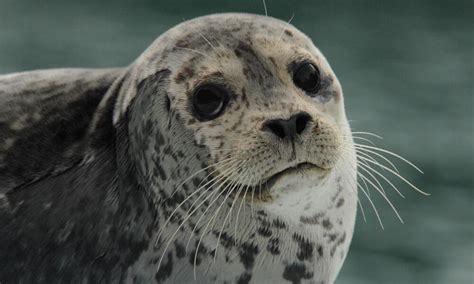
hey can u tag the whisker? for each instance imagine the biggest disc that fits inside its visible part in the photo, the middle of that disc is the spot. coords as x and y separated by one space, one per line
360 165
212 219
365 154
228 214
283 30
213 180
213 47
400 177
364 139
211 203
373 206
367 133
384 196
198 52
344 173
359 186
174 234
390 153
225 161
382 176
240 207
195 192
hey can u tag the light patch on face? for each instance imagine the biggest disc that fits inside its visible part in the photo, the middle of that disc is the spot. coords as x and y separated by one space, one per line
291 193
256 70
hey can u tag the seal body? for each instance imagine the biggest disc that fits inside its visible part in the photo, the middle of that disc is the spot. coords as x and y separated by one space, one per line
208 159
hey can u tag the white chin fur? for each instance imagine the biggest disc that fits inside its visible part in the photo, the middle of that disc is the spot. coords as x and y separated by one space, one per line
291 194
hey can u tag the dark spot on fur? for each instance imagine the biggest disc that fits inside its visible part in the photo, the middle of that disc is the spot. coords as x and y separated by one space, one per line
288 33
327 224
273 246
237 53
338 243
202 251
340 202
313 220
247 253
320 251
165 269
196 181
305 247
296 272
226 240
332 237
264 231
244 278
254 66
279 224
180 250
185 74
174 200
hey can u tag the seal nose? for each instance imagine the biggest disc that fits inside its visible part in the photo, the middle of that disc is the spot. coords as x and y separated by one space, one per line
290 128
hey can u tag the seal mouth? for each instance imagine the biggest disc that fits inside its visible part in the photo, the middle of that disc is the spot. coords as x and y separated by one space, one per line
298 168
264 186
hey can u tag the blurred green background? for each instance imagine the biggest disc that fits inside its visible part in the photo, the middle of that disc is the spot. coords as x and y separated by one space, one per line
406 68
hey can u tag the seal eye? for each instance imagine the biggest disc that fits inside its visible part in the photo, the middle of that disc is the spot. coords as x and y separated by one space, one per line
209 101
307 78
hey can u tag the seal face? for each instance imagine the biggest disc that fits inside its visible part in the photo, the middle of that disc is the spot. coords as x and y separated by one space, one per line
229 156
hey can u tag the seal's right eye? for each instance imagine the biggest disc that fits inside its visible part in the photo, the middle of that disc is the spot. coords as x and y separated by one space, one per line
209 101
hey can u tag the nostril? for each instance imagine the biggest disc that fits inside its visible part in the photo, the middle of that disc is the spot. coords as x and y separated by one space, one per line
301 122
276 128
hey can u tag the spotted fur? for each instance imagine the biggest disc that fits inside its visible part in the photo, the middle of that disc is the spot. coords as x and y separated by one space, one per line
101 169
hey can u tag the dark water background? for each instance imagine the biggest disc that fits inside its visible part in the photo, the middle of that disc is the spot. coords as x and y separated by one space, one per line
406 68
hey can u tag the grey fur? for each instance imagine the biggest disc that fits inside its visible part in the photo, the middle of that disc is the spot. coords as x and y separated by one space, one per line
92 164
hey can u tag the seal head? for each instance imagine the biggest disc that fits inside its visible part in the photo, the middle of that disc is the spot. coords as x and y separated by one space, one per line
254 117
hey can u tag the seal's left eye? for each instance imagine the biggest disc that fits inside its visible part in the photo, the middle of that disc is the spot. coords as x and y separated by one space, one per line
209 101
307 78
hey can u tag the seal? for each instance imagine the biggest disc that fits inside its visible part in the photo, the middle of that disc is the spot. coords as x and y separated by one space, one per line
221 155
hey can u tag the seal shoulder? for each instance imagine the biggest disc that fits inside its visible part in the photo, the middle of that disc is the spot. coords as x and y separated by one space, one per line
44 118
